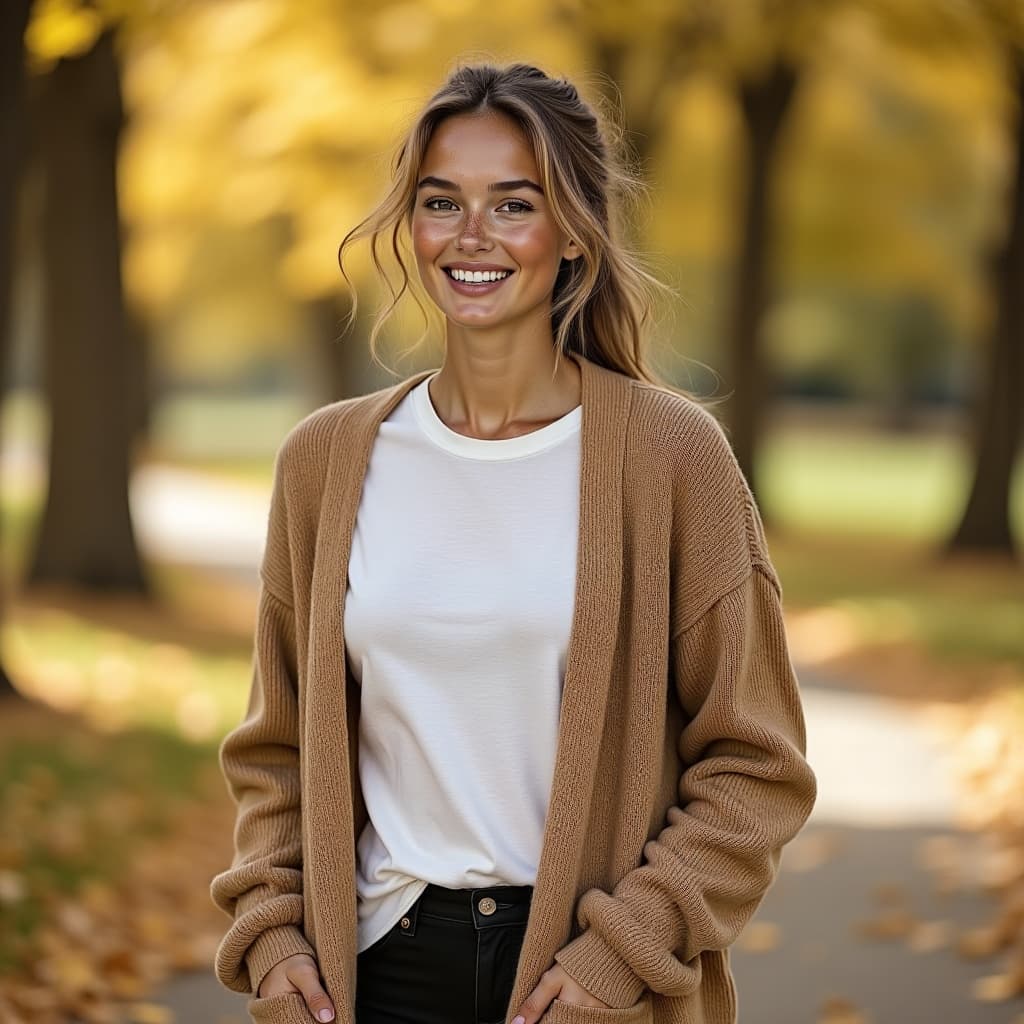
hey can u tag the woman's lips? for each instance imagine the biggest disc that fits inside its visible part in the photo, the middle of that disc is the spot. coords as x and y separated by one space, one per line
476 288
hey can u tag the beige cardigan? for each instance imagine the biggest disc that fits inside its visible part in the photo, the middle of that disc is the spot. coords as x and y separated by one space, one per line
680 771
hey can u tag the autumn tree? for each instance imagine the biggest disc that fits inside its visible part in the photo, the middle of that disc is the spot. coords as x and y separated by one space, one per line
13 20
85 537
998 407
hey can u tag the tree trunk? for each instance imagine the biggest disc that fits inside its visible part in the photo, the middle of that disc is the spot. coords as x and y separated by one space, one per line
13 21
999 408
342 353
340 358
764 104
86 536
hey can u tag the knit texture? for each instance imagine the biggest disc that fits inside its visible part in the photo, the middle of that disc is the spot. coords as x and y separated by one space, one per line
680 772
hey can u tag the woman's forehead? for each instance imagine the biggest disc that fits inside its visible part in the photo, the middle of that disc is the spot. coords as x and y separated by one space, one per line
479 144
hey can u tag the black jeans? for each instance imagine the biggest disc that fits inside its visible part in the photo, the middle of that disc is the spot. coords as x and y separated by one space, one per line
451 959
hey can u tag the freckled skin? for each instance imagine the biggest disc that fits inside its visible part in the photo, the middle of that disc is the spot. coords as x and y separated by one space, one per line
514 229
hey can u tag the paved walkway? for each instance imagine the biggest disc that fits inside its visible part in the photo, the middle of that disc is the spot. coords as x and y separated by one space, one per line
886 799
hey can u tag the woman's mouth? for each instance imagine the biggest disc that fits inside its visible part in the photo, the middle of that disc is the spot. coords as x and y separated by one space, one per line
478 282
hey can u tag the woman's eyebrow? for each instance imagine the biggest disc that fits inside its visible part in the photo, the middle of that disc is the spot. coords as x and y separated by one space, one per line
497 186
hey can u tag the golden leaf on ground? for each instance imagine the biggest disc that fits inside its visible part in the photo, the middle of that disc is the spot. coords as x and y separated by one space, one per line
154 926
33 999
938 853
760 937
810 850
12 886
946 882
928 936
977 943
12 855
98 897
150 1013
837 1010
185 954
98 1012
76 920
887 924
126 986
70 974
8 1013
994 988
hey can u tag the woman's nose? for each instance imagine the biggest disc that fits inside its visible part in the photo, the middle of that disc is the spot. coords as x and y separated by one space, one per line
473 231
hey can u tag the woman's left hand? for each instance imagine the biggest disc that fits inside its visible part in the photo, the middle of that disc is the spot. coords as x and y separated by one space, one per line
554 982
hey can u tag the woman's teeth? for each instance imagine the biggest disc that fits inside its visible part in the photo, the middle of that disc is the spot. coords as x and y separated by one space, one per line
477 276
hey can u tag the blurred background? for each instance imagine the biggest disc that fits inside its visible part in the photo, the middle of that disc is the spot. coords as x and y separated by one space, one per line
837 195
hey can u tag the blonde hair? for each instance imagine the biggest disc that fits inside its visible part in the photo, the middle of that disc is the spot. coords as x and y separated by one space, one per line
603 300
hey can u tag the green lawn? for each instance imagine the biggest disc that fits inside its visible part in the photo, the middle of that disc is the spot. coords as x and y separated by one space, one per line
858 520
868 485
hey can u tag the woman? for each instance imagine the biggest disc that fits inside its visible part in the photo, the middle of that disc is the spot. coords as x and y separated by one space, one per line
534 586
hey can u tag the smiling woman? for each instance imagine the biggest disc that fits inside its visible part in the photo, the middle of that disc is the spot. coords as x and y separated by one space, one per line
516 173
476 238
524 740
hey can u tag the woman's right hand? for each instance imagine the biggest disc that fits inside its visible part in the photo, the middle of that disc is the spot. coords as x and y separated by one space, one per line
298 973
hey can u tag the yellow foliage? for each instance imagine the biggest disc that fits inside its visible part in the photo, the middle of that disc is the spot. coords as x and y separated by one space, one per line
60 28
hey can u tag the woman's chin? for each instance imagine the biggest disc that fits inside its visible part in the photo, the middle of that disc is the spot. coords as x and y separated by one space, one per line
475 318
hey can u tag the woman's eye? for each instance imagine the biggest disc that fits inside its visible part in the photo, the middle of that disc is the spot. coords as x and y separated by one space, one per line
428 203
520 206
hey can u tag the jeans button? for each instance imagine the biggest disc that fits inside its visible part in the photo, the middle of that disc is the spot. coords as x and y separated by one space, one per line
487 906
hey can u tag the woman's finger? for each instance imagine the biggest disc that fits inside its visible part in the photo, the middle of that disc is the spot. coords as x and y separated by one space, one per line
312 989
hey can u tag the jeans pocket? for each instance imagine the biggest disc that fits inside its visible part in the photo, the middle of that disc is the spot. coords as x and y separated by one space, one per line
497 962
380 943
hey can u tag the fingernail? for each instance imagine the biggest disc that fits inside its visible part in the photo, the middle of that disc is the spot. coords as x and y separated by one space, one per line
519 1020
324 1015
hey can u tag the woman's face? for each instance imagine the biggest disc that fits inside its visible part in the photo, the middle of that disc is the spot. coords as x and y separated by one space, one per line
480 207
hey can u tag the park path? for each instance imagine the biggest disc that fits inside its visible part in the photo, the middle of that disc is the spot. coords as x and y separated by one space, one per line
886 800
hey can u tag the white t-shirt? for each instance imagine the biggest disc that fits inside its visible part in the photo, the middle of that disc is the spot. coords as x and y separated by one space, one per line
460 597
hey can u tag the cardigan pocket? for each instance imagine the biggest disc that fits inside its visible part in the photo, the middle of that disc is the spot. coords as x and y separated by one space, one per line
282 1008
641 1012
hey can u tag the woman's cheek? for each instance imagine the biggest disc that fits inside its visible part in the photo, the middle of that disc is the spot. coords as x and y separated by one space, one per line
425 240
426 249
532 244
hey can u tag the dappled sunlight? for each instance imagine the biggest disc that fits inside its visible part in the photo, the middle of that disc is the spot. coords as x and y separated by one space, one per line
903 776
117 681
820 634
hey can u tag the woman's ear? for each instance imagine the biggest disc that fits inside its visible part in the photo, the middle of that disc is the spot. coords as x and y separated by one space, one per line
571 250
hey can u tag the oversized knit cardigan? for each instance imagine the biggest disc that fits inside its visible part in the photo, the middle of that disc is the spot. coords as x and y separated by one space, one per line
680 770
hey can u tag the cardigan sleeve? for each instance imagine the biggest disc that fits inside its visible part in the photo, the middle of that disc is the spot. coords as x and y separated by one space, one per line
262 889
747 790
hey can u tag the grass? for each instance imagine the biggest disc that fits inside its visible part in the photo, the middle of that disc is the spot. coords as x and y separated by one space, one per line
857 521
858 484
